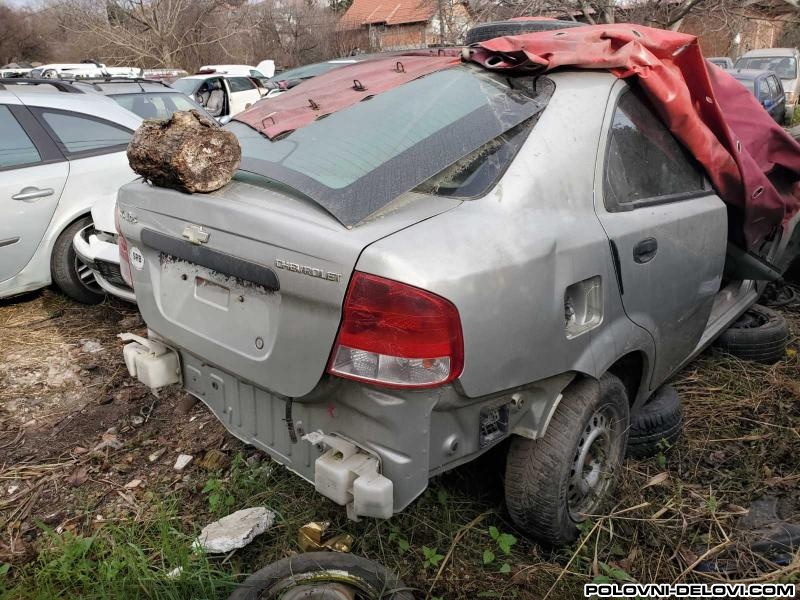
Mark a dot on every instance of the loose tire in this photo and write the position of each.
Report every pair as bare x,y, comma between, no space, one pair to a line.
659,421
759,335
328,575
68,273
488,31
553,483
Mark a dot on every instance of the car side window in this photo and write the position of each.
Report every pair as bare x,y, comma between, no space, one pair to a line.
16,148
775,85
763,89
645,164
240,84
77,134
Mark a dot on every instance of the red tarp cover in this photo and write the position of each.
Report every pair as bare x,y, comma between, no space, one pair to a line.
340,88
715,117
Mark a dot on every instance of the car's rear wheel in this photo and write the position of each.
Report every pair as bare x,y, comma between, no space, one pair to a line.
323,575
759,335
554,483
488,31
71,276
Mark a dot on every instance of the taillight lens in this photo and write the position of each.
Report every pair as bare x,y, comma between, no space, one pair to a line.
124,259
397,335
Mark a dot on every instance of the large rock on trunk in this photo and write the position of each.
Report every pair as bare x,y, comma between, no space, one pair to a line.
188,152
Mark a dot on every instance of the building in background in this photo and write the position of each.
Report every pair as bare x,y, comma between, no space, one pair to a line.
377,25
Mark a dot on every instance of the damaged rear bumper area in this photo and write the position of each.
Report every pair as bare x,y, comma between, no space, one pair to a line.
369,449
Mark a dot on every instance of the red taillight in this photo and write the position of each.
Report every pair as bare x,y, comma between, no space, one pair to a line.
124,259
397,335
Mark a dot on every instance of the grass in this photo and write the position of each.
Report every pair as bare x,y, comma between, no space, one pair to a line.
673,513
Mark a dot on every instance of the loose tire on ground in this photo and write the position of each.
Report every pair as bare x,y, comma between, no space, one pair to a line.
68,273
658,421
759,335
488,31
548,485
371,580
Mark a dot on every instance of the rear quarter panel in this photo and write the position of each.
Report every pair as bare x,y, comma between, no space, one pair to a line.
505,260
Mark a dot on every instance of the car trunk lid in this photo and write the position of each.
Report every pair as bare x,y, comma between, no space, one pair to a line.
250,278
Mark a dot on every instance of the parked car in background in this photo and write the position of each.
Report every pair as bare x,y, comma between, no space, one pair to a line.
784,62
723,62
166,75
221,95
285,80
370,331
61,151
14,72
96,243
237,70
767,88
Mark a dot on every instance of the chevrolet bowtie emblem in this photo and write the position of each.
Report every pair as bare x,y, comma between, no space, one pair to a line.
195,234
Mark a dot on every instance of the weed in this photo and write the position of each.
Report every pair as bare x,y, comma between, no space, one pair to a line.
122,560
432,557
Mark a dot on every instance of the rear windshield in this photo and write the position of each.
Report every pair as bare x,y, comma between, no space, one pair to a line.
159,105
187,86
452,133
784,66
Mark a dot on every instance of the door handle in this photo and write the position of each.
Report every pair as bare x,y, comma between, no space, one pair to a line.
645,250
27,194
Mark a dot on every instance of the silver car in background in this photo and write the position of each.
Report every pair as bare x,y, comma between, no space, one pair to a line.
387,293
784,62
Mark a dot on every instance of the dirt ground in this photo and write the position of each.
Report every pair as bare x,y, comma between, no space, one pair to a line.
83,446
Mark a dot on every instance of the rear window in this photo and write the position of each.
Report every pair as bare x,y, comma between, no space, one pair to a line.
452,133
784,66
155,106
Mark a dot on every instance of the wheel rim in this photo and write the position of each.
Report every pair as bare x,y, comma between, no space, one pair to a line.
322,585
320,591
592,467
86,277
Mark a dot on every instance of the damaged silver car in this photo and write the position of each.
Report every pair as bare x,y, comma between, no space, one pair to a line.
390,291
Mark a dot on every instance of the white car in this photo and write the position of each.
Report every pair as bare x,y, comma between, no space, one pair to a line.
96,244
262,71
221,95
61,152
82,70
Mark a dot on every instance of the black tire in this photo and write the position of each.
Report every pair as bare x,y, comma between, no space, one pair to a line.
375,580
540,485
488,31
68,273
759,335
658,421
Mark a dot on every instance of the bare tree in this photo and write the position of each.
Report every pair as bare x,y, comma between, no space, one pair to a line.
154,33
21,38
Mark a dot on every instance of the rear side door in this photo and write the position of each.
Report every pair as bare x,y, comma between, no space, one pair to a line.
244,93
32,177
667,228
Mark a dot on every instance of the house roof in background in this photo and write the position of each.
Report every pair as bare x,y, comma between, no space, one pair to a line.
390,12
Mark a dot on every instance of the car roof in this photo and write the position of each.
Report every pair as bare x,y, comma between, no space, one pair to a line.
111,87
749,74
210,75
770,52
94,105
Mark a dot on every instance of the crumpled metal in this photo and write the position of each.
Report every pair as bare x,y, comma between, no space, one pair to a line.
752,162
310,535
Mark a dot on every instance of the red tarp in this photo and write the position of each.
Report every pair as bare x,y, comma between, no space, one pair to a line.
342,87
715,117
